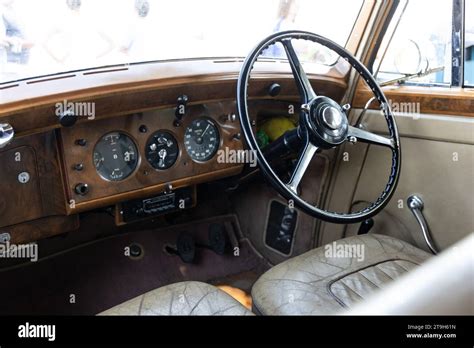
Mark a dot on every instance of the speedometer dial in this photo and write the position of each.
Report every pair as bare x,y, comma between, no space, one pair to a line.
115,156
201,139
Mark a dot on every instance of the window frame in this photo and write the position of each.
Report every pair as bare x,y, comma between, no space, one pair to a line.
457,45
464,84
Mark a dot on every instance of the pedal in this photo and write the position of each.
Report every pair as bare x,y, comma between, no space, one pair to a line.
186,248
218,238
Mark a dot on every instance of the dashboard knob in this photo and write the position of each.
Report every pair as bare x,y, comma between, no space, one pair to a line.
81,189
78,167
81,142
67,119
181,109
274,89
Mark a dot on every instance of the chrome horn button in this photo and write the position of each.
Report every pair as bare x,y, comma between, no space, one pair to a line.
325,121
332,117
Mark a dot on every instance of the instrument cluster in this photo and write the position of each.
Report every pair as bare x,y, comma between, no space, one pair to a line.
116,155
121,158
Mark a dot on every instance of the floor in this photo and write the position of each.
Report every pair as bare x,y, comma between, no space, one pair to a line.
89,279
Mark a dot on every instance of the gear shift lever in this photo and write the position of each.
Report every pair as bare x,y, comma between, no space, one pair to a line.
416,205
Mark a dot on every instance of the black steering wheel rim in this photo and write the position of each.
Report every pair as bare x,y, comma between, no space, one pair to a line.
283,188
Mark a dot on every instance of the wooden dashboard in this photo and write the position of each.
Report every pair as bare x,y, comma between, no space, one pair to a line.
126,100
78,145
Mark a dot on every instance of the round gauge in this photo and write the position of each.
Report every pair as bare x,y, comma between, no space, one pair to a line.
161,150
201,140
115,156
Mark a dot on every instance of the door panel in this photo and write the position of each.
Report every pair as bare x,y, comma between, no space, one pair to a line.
437,164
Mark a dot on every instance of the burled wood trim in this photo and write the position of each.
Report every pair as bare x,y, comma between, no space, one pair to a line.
145,180
38,116
432,100
155,189
42,228
43,195
29,106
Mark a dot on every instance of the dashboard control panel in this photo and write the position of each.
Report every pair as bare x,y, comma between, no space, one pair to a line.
112,160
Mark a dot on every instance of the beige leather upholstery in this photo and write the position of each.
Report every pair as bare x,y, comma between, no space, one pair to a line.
186,298
320,282
442,286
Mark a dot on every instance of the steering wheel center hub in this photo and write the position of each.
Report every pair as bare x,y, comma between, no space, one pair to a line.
332,117
326,122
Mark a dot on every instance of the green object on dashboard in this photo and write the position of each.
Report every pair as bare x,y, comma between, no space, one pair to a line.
262,139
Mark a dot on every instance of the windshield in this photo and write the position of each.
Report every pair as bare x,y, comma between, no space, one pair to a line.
46,37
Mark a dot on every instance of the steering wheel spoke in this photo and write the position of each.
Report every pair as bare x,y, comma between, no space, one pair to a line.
304,160
369,137
304,86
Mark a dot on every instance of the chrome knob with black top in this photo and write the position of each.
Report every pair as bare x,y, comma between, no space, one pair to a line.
81,189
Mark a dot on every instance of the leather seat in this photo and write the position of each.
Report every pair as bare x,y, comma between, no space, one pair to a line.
444,285
325,281
185,298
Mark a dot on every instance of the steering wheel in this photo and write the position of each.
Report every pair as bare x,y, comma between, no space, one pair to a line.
323,125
